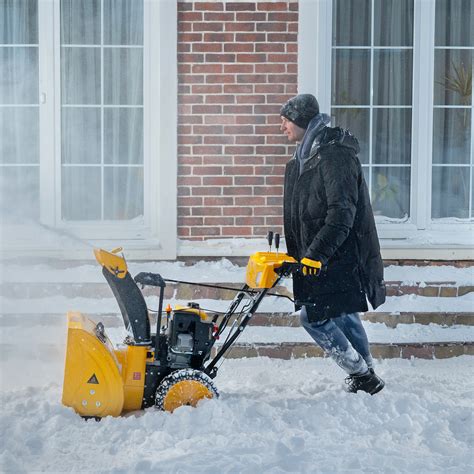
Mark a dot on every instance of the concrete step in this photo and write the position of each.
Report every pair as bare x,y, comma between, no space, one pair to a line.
94,290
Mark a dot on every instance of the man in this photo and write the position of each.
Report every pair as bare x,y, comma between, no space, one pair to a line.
328,219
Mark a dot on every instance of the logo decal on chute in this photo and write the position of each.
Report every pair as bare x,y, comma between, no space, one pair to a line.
93,379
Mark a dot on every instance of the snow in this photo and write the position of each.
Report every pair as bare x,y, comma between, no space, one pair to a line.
272,416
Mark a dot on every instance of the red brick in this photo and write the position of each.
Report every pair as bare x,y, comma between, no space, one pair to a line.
270,150
238,150
191,79
262,230
189,221
239,48
249,119
219,119
245,160
268,109
268,190
251,16
219,140
250,140
238,170
220,58
184,232
190,140
189,16
249,180
237,109
270,170
271,26
238,89
238,129
190,58
207,109
234,191
205,231
240,6
184,150
189,119
251,58
189,201
217,181
207,89
184,26
239,26
206,191
183,48
239,68
207,47
182,89
184,69
209,6
217,160
250,201
291,47
206,211
189,37
207,150
270,68
237,231
292,27
270,89
190,160
221,16
283,17
282,37
218,221
250,37
220,99
276,139
208,130
280,78
237,211
292,68
251,78
274,221
267,211
277,160
270,47
207,170
191,99
220,79
274,180
219,37
251,99
184,6
208,26
218,201
272,6
189,181
184,129
184,170
249,221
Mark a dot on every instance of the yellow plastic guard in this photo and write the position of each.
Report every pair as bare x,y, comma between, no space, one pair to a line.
92,382
115,264
202,314
261,266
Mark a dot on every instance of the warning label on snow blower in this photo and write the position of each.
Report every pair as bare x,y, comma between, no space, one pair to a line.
93,379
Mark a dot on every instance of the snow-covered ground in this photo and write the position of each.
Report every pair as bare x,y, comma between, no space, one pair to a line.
273,416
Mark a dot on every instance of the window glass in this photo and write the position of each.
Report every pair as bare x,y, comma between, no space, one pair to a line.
102,109
19,22
452,183
372,75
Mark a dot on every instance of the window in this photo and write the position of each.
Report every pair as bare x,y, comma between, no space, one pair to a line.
85,108
399,76
452,184
372,61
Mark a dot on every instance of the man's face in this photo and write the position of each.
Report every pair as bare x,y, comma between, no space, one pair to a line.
291,130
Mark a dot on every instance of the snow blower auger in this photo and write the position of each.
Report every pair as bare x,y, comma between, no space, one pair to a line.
172,367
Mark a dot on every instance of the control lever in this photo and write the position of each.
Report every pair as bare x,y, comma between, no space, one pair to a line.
277,242
270,239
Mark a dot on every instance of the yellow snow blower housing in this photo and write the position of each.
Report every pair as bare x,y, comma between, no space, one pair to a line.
166,369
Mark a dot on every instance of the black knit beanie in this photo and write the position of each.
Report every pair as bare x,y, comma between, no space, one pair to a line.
300,109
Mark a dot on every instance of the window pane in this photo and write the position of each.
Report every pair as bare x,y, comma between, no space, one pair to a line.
19,75
19,22
453,77
350,77
393,23
392,136
451,136
81,193
358,122
450,193
392,77
123,193
454,23
123,135
123,22
19,193
123,72
80,21
81,135
391,191
346,31
19,129
80,76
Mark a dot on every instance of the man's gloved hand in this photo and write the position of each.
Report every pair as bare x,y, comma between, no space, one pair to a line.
310,267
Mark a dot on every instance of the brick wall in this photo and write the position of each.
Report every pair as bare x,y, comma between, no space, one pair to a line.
237,63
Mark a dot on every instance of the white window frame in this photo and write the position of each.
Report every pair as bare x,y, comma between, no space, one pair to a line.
314,60
157,238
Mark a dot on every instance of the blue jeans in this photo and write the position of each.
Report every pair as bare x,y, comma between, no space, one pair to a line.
342,338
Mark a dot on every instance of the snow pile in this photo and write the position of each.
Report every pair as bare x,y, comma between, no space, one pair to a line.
272,416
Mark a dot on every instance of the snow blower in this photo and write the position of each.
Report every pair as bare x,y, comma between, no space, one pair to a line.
171,367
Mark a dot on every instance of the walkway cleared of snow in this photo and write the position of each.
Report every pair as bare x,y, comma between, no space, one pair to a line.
273,416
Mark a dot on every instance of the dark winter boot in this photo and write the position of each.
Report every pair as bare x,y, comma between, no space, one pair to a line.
369,382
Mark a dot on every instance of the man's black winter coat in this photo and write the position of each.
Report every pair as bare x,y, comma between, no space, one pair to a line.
328,217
